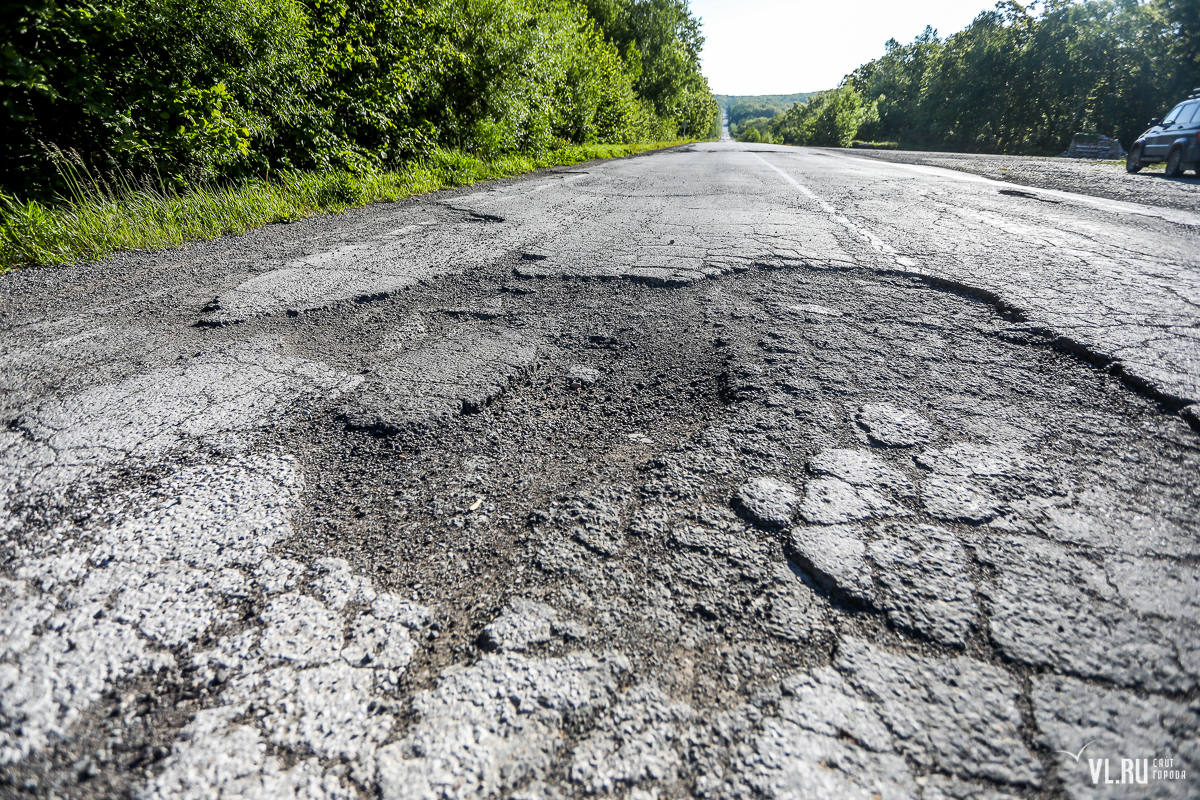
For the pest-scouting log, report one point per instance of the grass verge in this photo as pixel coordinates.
(1158, 166)
(98, 221)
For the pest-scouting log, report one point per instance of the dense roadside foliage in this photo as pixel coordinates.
(1018, 80)
(827, 119)
(661, 42)
(178, 94)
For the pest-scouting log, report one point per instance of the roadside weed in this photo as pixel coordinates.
(106, 215)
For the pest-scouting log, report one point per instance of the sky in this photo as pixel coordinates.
(774, 47)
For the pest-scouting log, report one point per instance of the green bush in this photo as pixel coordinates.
(660, 42)
(190, 92)
(755, 130)
(522, 75)
(828, 119)
(184, 89)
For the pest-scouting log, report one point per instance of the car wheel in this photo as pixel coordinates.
(1174, 163)
(1133, 161)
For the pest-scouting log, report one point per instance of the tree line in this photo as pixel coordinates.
(188, 92)
(830, 119)
(741, 108)
(1016, 80)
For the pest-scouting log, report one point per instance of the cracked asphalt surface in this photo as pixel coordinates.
(731, 471)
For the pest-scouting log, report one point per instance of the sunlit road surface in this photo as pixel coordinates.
(731, 471)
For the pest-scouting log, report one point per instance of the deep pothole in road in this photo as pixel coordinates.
(599, 482)
(696, 391)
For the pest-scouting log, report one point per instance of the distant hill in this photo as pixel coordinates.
(742, 107)
(726, 101)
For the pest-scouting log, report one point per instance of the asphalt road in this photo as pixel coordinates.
(730, 471)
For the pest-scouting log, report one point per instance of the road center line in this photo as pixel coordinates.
(878, 244)
(804, 190)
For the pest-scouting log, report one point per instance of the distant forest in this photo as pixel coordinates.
(188, 92)
(1013, 81)
(742, 107)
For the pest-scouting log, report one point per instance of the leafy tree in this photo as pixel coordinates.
(188, 87)
(192, 91)
(661, 43)
(829, 119)
(521, 75)
(1016, 81)
(755, 130)
(751, 109)
(895, 82)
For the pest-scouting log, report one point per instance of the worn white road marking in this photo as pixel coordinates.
(878, 244)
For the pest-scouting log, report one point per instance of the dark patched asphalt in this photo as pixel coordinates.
(730, 471)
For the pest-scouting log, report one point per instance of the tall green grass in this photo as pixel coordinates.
(102, 216)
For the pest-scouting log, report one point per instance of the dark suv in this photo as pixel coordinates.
(1174, 139)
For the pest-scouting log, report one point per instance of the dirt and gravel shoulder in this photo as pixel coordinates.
(1084, 176)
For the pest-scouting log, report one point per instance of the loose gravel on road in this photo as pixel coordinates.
(647, 479)
(1079, 175)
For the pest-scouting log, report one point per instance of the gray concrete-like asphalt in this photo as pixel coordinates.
(730, 471)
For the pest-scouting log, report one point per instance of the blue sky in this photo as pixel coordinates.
(773, 47)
